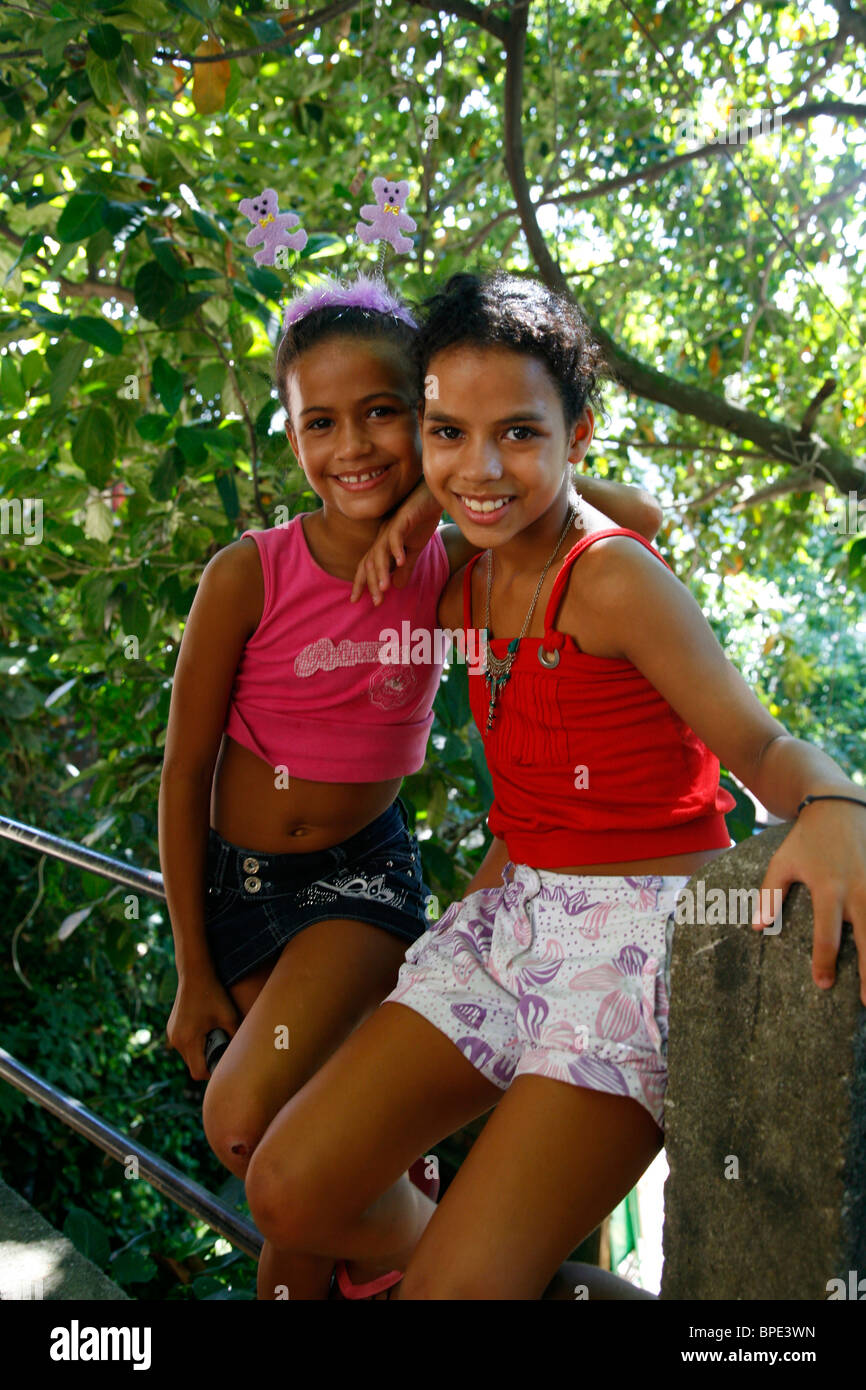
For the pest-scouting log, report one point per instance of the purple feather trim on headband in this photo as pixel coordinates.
(363, 293)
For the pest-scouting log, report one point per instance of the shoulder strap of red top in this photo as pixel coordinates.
(467, 591)
(562, 577)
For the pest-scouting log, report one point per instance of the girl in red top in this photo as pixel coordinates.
(293, 878)
(544, 989)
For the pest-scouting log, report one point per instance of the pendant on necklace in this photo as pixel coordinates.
(497, 674)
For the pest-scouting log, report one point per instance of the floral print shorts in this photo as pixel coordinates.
(560, 975)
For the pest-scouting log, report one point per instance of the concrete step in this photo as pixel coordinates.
(37, 1262)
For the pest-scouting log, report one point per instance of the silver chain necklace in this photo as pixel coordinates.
(498, 668)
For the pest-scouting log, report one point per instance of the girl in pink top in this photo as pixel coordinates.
(293, 879)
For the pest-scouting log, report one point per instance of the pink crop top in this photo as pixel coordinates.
(311, 693)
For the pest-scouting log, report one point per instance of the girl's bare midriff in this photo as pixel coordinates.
(249, 810)
(674, 864)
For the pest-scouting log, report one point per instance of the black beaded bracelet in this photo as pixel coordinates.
(807, 800)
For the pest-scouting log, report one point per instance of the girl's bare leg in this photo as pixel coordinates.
(551, 1162)
(327, 1178)
(296, 1014)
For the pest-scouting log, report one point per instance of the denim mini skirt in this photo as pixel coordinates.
(255, 901)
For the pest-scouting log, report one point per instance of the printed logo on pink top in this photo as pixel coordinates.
(390, 686)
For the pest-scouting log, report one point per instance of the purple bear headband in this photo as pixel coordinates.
(364, 293)
(384, 221)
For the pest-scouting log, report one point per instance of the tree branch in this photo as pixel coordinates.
(814, 407)
(772, 436)
(650, 173)
(76, 289)
(464, 9)
(852, 21)
(251, 429)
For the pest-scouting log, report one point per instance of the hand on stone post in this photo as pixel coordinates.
(826, 850)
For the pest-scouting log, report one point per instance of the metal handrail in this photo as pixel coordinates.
(148, 880)
(161, 1175)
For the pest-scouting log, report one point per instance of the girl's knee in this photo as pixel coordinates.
(292, 1204)
(282, 1204)
(231, 1131)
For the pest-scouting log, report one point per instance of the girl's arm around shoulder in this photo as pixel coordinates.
(403, 536)
(632, 508)
(621, 602)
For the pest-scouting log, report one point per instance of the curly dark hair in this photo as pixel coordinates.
(334, 320)
(509, 311)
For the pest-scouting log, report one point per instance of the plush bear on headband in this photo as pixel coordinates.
(270, 227)
(387, 216)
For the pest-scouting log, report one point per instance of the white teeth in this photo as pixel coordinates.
(360, 477)
(488, 506)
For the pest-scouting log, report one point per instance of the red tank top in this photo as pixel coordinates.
(589, 763)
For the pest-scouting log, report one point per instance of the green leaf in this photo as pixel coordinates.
(321, 243)
(453, 694)
(438, 864)
(152, 427)
(741, 820)
(168, 384)
(135, 615)
(228, 491)
(265, 281)
(94, 593)
(83, 215)
(46, 318)
(98, 520)
(183, 306)
(105, 40)
(32, 366)
(94, 445)
(58, 693)
(11, 388)
(131, 80)
(99, 332)
(191, 445)
(87, 1235)
(154, 290)
(31, 245)
(12, 103)
(201, 273)
(121, 215)
(165, 253)
(133, 1267)
(20, 698)
(167, 475)
(857, 557)
(68, 925)
(206, 226)
(103, 80)
(479, 764)
(62, 376)
(210, 380)
(56, 40)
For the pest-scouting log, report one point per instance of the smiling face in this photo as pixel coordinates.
(354, 427)
(496, 446)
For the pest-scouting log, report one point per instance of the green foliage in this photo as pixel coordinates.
(136, 345)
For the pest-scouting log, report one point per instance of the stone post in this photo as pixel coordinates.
(765, 1112)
